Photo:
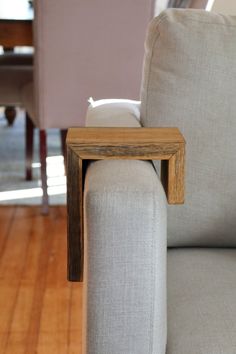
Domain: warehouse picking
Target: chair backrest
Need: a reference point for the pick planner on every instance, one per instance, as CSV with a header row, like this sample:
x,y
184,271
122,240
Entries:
x,y
86,48
189,81
198,4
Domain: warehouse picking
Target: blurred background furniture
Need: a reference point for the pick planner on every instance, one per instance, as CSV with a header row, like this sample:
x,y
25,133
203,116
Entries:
x,y
16,68
15,30
189,82
194,4
77,48
15,23
161,5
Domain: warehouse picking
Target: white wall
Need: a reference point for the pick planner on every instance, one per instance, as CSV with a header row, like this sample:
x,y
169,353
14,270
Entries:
x,y
161,5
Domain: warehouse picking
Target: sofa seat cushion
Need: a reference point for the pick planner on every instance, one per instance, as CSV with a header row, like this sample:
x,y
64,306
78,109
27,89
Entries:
x,y
201,301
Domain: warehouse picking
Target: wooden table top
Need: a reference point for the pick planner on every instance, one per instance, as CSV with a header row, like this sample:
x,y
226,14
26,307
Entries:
x,y
120,136
16,23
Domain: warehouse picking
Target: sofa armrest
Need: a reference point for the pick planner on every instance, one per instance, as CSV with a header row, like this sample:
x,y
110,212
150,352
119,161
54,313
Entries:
x,y
84,144
117,222
125,258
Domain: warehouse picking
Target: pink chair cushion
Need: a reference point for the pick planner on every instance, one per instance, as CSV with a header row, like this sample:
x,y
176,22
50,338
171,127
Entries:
x,y
83,49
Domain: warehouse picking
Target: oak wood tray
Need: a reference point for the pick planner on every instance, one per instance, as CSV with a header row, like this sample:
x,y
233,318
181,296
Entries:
x,y
84,144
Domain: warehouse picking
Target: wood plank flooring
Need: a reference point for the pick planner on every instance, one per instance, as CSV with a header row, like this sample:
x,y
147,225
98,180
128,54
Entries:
x,y
40,311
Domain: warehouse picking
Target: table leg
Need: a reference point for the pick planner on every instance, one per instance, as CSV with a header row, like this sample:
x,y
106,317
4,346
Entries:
x,y
10,114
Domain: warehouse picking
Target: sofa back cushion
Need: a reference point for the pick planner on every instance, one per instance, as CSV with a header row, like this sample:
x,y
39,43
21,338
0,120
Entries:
x,y
189,82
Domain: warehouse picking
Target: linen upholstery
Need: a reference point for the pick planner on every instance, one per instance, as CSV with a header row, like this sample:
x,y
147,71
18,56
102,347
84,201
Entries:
x,y
201,301
125,232
189,81
125,248
113,113
83,49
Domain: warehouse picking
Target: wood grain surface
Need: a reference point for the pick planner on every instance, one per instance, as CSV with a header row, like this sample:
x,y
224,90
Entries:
x,y
16,33
123,136
84,144
40,311
75,212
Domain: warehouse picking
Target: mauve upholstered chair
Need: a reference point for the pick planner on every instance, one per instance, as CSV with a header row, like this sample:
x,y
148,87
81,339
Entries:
x,y
161,279
16,69
198,4
15,72
83,49
10,62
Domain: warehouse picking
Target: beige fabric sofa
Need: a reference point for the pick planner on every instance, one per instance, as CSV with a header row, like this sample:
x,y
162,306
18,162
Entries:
x,y
189,81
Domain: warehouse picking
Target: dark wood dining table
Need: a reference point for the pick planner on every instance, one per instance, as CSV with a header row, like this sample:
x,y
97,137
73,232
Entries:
x,y
15,30
16,23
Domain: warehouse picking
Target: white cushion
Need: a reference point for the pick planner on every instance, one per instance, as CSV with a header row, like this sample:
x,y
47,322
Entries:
x,y
113,113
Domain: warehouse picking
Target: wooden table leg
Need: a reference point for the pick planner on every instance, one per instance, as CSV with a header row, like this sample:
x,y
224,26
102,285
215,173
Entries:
x,y
43,162
10,114
10,111
29,142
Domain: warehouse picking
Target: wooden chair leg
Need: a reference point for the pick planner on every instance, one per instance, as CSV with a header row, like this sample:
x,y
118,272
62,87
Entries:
x,y
10,111
29,143
10,115
43,156
63,133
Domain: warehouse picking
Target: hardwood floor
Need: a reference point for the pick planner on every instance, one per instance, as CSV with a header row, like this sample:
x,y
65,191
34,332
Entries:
x,y
40,312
